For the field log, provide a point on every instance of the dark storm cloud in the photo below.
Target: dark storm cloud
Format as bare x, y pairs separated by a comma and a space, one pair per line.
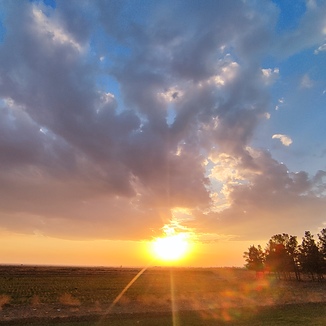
79, 160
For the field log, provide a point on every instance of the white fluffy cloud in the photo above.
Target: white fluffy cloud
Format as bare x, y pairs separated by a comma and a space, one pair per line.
285, 140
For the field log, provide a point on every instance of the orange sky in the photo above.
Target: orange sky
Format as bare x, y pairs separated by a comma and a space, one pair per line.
121, 122
35, 249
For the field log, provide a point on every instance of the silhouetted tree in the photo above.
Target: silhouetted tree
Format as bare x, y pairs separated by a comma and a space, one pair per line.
281, 256
310, 258
292, 249
255, 258
322, 247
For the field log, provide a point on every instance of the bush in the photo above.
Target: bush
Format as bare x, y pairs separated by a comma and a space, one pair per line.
4, 299
68, 300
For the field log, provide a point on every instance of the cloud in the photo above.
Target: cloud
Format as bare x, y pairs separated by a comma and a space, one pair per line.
306, 82
109, 148
280, 103
320, 49
310, 32
266, 200
270, 74
52, 29
285, 140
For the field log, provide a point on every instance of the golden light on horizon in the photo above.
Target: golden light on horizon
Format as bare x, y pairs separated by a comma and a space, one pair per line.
171, 248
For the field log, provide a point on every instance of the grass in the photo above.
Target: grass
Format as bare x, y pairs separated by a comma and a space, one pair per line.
220, 296
287, 315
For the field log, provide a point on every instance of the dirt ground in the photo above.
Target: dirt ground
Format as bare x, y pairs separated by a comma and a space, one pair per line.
39, 293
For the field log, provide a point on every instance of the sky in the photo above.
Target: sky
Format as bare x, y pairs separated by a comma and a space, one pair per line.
122, 121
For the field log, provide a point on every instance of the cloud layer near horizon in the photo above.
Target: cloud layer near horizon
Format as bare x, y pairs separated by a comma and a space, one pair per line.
117, 116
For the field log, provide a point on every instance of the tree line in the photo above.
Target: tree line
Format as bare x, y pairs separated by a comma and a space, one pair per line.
286, 258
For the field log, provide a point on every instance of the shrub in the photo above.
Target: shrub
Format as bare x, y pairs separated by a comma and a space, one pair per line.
4, 299
35, 300
68, 300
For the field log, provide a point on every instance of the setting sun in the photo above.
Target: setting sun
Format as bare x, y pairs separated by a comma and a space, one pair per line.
171, 248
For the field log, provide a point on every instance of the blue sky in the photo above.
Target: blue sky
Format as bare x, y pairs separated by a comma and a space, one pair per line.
120, 117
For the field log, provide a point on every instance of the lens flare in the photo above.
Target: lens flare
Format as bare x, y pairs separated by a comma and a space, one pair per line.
171, 248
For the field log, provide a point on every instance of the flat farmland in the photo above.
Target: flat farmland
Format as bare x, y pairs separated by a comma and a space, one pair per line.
35, 295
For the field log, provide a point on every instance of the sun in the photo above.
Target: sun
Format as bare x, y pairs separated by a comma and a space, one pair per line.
170, 248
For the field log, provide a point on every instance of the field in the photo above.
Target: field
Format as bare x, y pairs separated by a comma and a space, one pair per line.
70, 296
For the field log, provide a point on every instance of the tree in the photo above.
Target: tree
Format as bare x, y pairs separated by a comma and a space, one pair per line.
322, 247
281, 255
292, 249
311, 259
255, 259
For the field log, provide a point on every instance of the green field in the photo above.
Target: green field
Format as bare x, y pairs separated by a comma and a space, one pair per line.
215, 296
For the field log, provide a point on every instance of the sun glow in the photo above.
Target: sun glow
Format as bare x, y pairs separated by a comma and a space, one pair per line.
171, 248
